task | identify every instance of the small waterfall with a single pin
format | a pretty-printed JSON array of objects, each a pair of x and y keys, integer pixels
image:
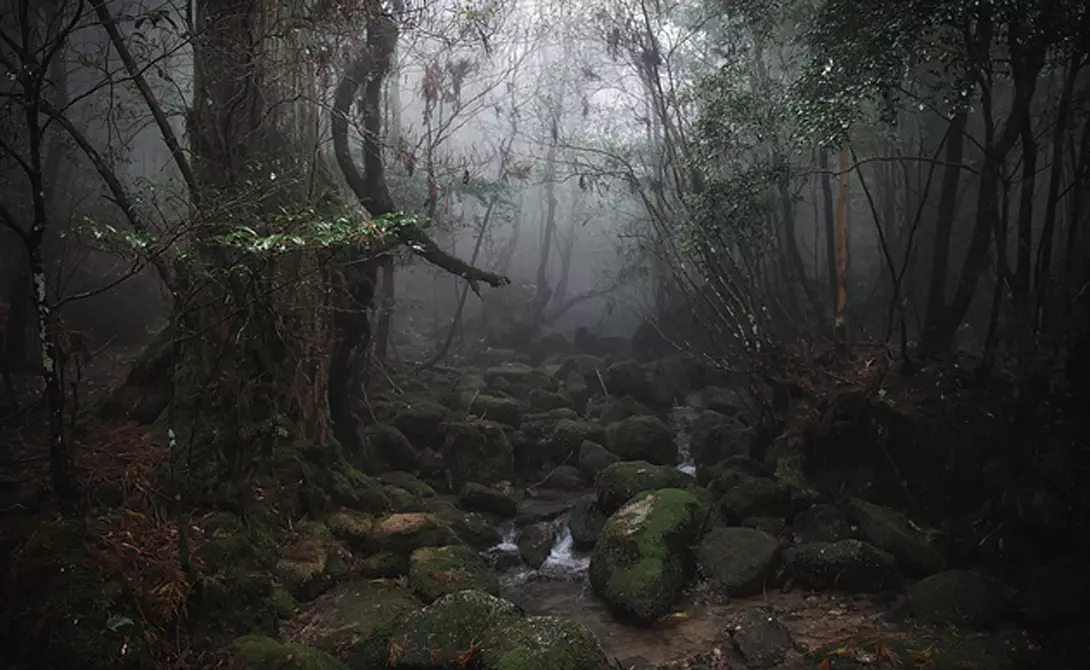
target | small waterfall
[
  {"x": 562, "y": 560},
  {"x": 508, "y": 535},
  {"x": 681, "y": 419}
]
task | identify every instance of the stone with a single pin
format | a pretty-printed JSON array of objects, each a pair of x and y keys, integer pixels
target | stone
[
  {"x": 535, "y": 542},
  {"x": 757, "y": 496},
  {"x": 645, "y": 438},
  {"x": 481, "y": 498},
  {"x": 717, "y": 437},
  {"x": 848, "y": 565},
  {"x": 960, "y": 597},
  {"x": 890, "y": 530},
  {"x": 585, "y": 522},
  {"x": 593, "y": 458},
  {"x": 821, "y": 523},
  {"x": 761, "y": 639},
  {"x": 738, "y": 561},
  {"x": 618, "y": 483},
  {"x": 434, "y": 637},
  {"x": 438, "y": 571},
  {"x": 543, "y": 643},
  {"x": 565, "y": 478}
]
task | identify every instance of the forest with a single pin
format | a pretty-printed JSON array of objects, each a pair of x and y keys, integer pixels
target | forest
[{"x": 523, "y": 335}]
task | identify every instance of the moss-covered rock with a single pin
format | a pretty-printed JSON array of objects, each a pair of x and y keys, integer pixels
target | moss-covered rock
[
  {"x": 543, "y": 643},
  {"x": 401, "y": 500},
  {"x": 507, "y": 411},
  {"x": 409, "y": 482},
  {"x": 481, "y": 498},
  {"x": 925, "y": 647},
  {"x": 593, "y": 458},
  {"x": 756, "y": 496},
  {"x": 258, "y": 652},
  {"x": 611, "y": 409},
  {"x": 848, "y": 565},
  {"x": 621, "y": 481},
  {"x": 404, "y": 533},
  {"x": 821, "y": 523},
  {"x": 886, "y": 529},
  {"x": 565, "y": 478},
  {"x": 421, "y": 422},
  {"x": 387, "y": 449},
  {"x": 960, "y": 597},
  {"x": 437, "y": 571},
  {"x": 586, "y": 522},
  {"x": 443, "y": 633},
  {"x": 772, "y": 525},
  {"x": 761, "y": 639},
  {"x": 355, "y": 490},
  {"x": 577, "y": 388},
  {"x": 717, "y": 437},
  {"x": 354, "y": 622},
  {"x": 469, "y": 527},
  {"x": 564, "y": 440},
  {"x": 356, "y": 529},
  {"x": 643, "y": 559},
  {"x": 541, "y": 400},
  {"x": 642, "y": 438},
  {"x": 535, "y": 542},
  {"x": 629, "y": 378},
  {"x": 477, "y": 451},
  {"x": 304, "y": 567},
  {"x": 737, "y": 561},
  {"x": 384, "y": 565}
]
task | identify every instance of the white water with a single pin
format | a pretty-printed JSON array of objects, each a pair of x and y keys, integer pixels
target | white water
[
  {"x": 562, "y": 560},
  {"x": 681, "y": 420}
]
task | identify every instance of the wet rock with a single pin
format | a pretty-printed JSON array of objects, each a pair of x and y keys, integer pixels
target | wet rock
[
  {"x": 384, "y": 565},
  {"x": 959, "y": 597},
  {"x": 722, "y": 400},
  {"x": 565, "y": 438},
  {"x": 257, "y": 652},
  {"x": 481, "y": 498},
  {"x": 433, "y": 471},
  {"x": 618, "y": 483},
  {"x": 643, "y": 559},
  {"x": 421, "y": 422},
  {"x": 725, "y": 479},
  {"x": 535, "y": 542},
  {"x": 403, "y": 533},
  {"x": 716, "y": 437},
  {"x": 388, "y": 449},
  {"x": 629, "y": 378},
  {"x": 438, "y": 571},
  {"x": 469, "y": 527},
  {"x": 821, "y": 523},
  {"x": 889, "y": 530},
  {"x": 737, "y": 561},
  {"x": 543, "y": 643},
  {"x": 544, "y": 401},
  {"x": 593, "y": 458},
  {"x": 477, "y": 451},
  {"x": 408, "y": 482},
  {"x": 644, "y": 438},
  {"x": 435, "y": 636},
  {"x": 773, "y": 525},
  {"x": 354, "y": 622},
  {"x": 565, "y": 478},
  {"x": 761, "y": 639},
  {"x": 757, "y": 496},
  {"x": 848, "y": 565},
  {"x": 611, "y": 409},
  {"x": 541, "y": 509},
  {"x": 941, "y": 649},
  {"x": 586, "y": 522}
]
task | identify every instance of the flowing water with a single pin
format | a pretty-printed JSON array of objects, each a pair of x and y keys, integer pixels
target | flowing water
[{"x": 682, "y": 417}]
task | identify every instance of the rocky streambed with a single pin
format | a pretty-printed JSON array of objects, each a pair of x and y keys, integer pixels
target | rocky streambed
[{"x": 645, "y": 530}]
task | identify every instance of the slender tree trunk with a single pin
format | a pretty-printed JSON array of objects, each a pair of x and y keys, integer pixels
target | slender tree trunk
[
  {"x": 840, "y": 325},
  {"x": 830, "y": 226}
]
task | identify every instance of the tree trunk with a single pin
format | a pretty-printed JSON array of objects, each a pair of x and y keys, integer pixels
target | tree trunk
[{"x": 830, "y": 225}]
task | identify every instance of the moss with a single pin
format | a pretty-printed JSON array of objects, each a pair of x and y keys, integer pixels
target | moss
[
  {"x": 619, "y": 482},
  {"x": 411, "y": 483},
  {"x": 435, "y": 636},
  {"x": 477, "y": 451},
  {"x": 387, "y": 449},
  {"x": 642, "y": 437},
  {"x": 437, "y": 571},
  {"x": 492, "y": 407},
  {"x": 926, "y": 647},
  {"x": 543, "y": 401},
  {"x": 257, "y": 652},
  {"x": 629, "y": 378},
  {"x": 421, "y": 422},
  {"x": 404, "y": 533},
  {"x": 303, "y": 568},
  {"x": 849, "y": 565},
  {"x": 469, "y": 527},
  {"x": 401, "y": 500},
  {"x": 543, "y": 643},
  {"x": 643, "y": 559},
  {"x": 355, "y": 490}
]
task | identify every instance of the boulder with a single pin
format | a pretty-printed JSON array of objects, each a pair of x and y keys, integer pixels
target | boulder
[
  {"x": 960, "y": 597},
  {"x": 585, "y": 522},
  {"x": 565, "y": 478},
  {"x": 593, "y": 458},
  {"x": 438, "y": 571},
  {"x": 761, "y": 639},
  {"x": 717, "y": 437},
  {"x": 821, "y": 523},
  {"x": 481, "y": 498},
  {"x": 387, "y": 449},
  {"x": 506, "y": 411},
  {"x": 611, "y": 409},
  {"x": 629, "y": 378},
  {"x": 355, "y": 490},
  {"x": 644, "y": 438},
  {"x": 565, "y": 438},
  {"x": 575, "y": 385},
  {"x": 404, "y": 533},
  {"x": 439, "y": 635},
  {"x": 469, "y": 527},
  {"x": 477, "y": 451},
  {"x": 305, "y": 564},
  {"x": 543, "y": 643},
  {"x": 408, "y": 482},
  {"x": 618, "y": 483},
  {"x": 421, "y": 422},
  {"x": 535, "y": 542},
  {"x": 737, "y": 561},
  {"x": 643, "y": 559},
  {"x": 773, "y": 525},
  {"x": 541, "y": 400},
  {"x": 356, "y": 529},
  {"x": 258, "y": 652},
  {"x": 848, "y": 565},
  {"x": 756, "y": 496},
  {"x": 889, "y": 530}
]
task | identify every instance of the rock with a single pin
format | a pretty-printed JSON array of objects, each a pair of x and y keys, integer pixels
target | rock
[
  {"x": 408, "y": 482},
  {"x": 404, "y": 533},
  {"x": 889, "y": 530},
  {"x": 593, "y": 458},
  {"x": 773, "y": 525},
  {"x": 354, "y": 622},
  {"x": 575, "y": 385},
  {"x": 543, "y": 643},
  {"x": 355, "y": 490},
  {"x": 421, "y": 422},
  {"x": 726, "y": 479},
  {"x": 438, "y": 571},
  {"x": 737, "y": 561},
  {"x": 535, "y": 542},
  {"x": 629, "y": 378},
  {"x": 384, "y": 565},
  {"x": 536, "y": 510},
  {"x": 435, "y": 636},
  {"x": 302, "y": 568},
  {"x": 470, "y": 382},
  {"x": 401, "y": 500},
  {"x": 611, "y": 409},
  {"x": 355, "y": 528},
  {"x": 258, "y": 652},
  {"x": 480, "y": 498},
  {"x": 644, "y": 438},
  {"x": 757, "y": 496},
  {"x": 388, "y": 449},
  {"x": 565, "y": 438},
  {"x": 927, "y": 647},
  {"x": 477, "y": 451},
  {"x": 642, "y": 560},
  {"x": 848, "y": 565},
  {"x": 585, "y": 522},
  {"x": 544, "y": 401},
  {"x": 618, "y": 483},
  {"x": 469, "y": 527},
  {"x": 716, "y": 437},
  {"x": 507, "y": 411},
  {"x": 433, "y": 471},
  {"x": 565, "y": 478},
  {"x": 959, "y": 597},
  {"x": 761, "y": 639},
  {"x": 821, "y": 523}
]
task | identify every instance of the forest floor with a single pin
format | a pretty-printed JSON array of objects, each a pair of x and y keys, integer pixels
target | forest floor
[{"x": 934, "y": 429}]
